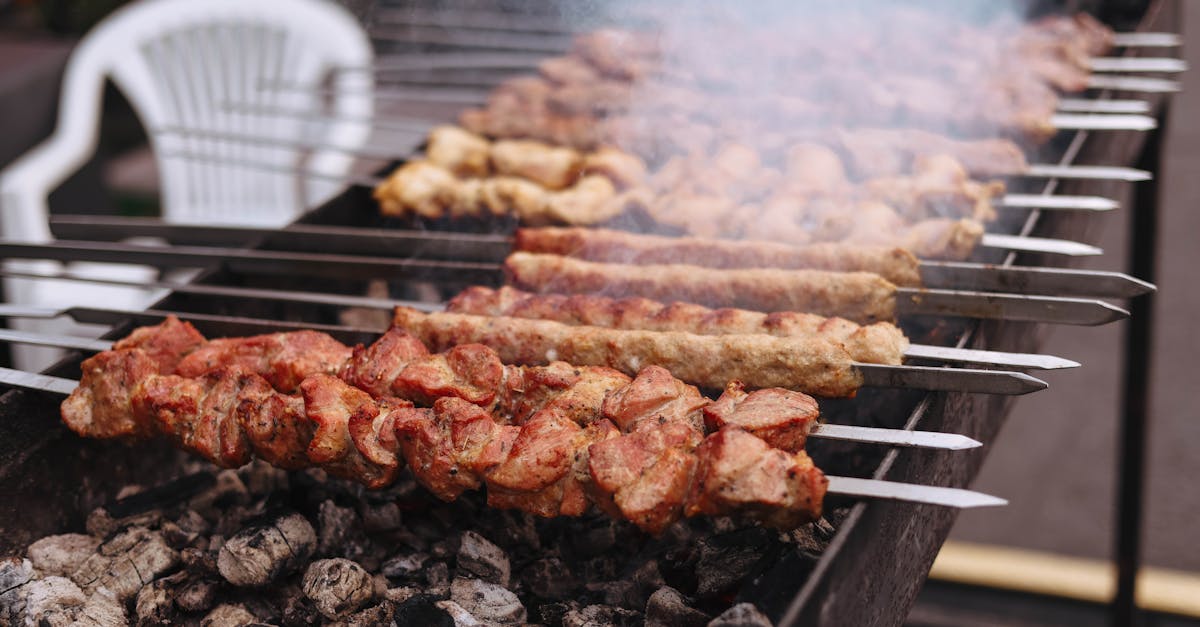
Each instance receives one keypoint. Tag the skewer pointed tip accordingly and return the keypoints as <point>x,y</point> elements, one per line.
<point>913,493</point>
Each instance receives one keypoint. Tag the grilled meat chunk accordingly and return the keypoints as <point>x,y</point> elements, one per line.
<point>101,407</point>
<point>284,359</point>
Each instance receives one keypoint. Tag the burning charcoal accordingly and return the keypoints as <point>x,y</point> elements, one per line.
<point>668,608</point>
<point>199,561</point>
<point>400,594</point>
<point>263,479</point>
<point>154,605</point>
<point>227,615</point>
<point>101,523</point>
<point>727,559</point>
<point>437,579</point>
<point>379,517</point>
<point>296,610</point>
<point>620,593</point>
<point>125,563</point>
<point>185,530</point>
<point>423,610</point>
<point>479,557</point>
<point>549,578</point>
<point>339,531</point>
<point>60,555</point>
<point>405,566</point>
<point>553,613</point>
<point>374,616</point>
<point>223,495</point>
<point>100,610</point>
<point>488,602</point>
<point>196,595</point>
<point>597,540</point>
<point>53,601</point>
<point>259,554</point>
<point>337,587</point>
<point>602,616</point>
<point>460,616</point>
<point>741,615</point>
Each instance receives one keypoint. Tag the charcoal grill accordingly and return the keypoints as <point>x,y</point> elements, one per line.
<point>875,564</point>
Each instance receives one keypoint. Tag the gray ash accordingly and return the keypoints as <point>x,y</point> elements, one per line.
<point>260,546</point>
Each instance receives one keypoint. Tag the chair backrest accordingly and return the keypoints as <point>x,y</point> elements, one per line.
<point>203,65</point>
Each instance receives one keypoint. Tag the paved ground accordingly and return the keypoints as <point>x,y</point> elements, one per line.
<point>1054,459</point>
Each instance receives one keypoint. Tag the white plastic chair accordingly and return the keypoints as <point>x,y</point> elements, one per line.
<point>198,65</point>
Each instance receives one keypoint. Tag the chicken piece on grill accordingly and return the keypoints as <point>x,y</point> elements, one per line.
<point>552,167</point>
<point>739,472</point>
<point>283,359</point>
<point>860,296</point>
<point>417,187</point>
<point>462,152</point>
<point>895,264</point>
<point>879,343</point>
<point>938,188</point>
<point>954,240</point>
<point>814,365</point>
<point>624,169</point>
<point>592,200</point>
<point>567,70</point>
<point>621,54</point>
<point>513,196</point>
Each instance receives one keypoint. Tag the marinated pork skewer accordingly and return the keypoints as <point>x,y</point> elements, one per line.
<point>295,437</point>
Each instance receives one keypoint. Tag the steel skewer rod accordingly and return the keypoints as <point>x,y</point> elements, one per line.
<point>1054,201</point>
<point>491,40</point>
<point>366,152</point>
<point>1141,84</point>
<point>1164,65</point>
<point>1147,40</point>
<point>1102,122</point>
<point>457,246</point>
<point>485,20</point>
<point>1087,105</point>
<point>916,351</point>
<point>433,93</point>
<point>260,262</point>
<point>1048,245</point>
<point>1087,172</point>
<point>415,125</point>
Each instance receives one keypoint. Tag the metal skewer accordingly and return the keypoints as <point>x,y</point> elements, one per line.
<point>1134,84</point>
<point>1164,65</point>
<point>1087,105</point>
<point>446,245</point>
<point>466,38</point>
<point>1088,172</point>
<point>844,486</point>
<point>1101,122</point>
<point>1038,245</point>
<point>917,351</point>
<point>1147,40</point>
<point>1054,201</point>
<point>350,267</point>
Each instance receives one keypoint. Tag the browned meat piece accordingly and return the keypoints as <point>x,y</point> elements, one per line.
<point>644,476</point>
<point>424,437</point>
<point>656,396</point>
<point>552,167</point>
<point>417,187</point>
<point>592,200</point>
<point>860,296</point>
<point>879,343</point>
<point>953,240</point>
<point>512,196</point>
<point>738,472</point>
<point>333,406</point>
<point>199,415</point>
<point>567,70</point>
<point>278,429</point>
<point>536,475</point>
<point>463,153</point>
<point>894,264</point>
<point>574,392</point>
<point>467,371</point>
<point>938,188</point>
<point>166,342</point>
<point>624,169</point>
<point>813,168</point>
<point>100,406</point>
<point>375,367</point>
<point>781,418</point>
<point>617,53</point>
<point>284,359</point>
<point>812,365</point>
